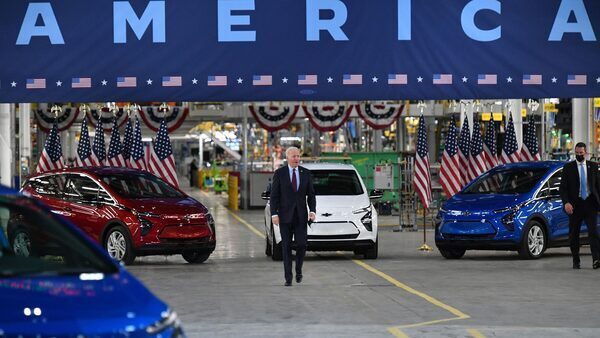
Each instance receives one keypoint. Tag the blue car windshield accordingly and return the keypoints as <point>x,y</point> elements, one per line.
<point>35,243</point>
<point>506,181</point>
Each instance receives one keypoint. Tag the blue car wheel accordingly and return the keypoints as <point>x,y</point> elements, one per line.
<point>534,241</point>
<point>452,253</point>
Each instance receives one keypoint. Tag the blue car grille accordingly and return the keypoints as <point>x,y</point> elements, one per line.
<point>468,230</point>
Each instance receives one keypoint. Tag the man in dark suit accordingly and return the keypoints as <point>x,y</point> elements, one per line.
<point>580,194</point>
<point>291,191</point>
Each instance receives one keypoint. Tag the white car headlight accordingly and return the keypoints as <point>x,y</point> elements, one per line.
<point>362,210</point>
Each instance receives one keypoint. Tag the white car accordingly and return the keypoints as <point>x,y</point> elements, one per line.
<point>346,219</point>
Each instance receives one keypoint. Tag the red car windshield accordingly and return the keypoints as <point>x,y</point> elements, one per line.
<point>140,185</point>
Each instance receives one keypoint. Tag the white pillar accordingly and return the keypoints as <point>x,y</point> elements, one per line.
<point>581,122</point>
<point>201,151</point>
<point>377,144</point>
<point>245,172</point>
<point>6,145</point>
<point>24,140</point>
<point>515,108</point>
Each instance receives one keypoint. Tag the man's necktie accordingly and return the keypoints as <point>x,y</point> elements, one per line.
<point>294,181</point>
<point>582,182</point>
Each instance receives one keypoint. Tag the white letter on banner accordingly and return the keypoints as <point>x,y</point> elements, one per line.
<point>226,20</point>
<point>314,24</point>
<point>123,14</point>
<point>467,20</point>
<point>581,25</point>
<point>404,20</point>
<point>29,29</point>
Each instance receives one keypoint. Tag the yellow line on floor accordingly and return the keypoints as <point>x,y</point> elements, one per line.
<point>248,225</point>
<point>397,332</point>
<point>475,333</point>
<point>408,289</point>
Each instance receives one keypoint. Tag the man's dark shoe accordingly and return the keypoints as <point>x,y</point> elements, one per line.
<point>298,278</point>
<point>288,283</point>
<point>576,266</point>
<point>596,264</point>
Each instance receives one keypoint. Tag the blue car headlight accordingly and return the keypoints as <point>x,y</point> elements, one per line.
<point>169,319</point>
<point>508,220</point>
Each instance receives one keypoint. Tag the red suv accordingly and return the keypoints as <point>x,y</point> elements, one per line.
<point>130,212</point>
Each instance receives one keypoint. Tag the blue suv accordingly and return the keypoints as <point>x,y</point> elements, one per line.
<point>511,207</point>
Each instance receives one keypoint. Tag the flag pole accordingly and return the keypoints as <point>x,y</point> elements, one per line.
<point>425,247</point>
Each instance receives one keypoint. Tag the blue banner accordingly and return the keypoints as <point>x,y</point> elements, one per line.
<point>257,50</point>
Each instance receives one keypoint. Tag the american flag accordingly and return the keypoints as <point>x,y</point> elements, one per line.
<point>35,84</point>
<point>99,148</point>
<point>262,80</point>
<point>450,178</point>
<point>510,151</point>
<point>85,157</point>
<point>397,79</point>
<point>577,80</point>
<point>138,159</point>
<point>477,164</point>
<point>81,82</point>
<point>162,162</point>
<point>216,80</point>
<point>51,158</point>
<point>442,79</point>
<point>421,175</point>
<point>171,81</point>
<point>126,82</point>
<point>532,79</point>
<point>115,157</point>
<point>464,144</point>
<point>127,141</point>
<point>307,80</point>
<point>352,79</point>
<point>489,146</point>
<point>530,150</point>
<point>487,79</point>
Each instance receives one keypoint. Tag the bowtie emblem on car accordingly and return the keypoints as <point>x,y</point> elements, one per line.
<point>326,214</point>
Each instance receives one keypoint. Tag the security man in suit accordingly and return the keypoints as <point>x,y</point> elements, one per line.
<point>580,194</point>
<point>291,191</point>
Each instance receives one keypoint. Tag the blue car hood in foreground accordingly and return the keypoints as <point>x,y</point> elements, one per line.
<point>483,202</point>
<point>115,305</point>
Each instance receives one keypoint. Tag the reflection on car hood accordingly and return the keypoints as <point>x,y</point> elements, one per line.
<point>482,202</point>
<point>341,204</point>
<point>69,304</point>
<point>171,205</point>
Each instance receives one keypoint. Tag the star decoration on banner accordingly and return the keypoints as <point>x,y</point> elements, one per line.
<point>104,82</point>
<point>509,79</point>
<point>149,82</point>
<point>59,83</point>
<point>598,80</point>
<point>420,79</point>
<point>194,81</point>
<point>465,79</point>
<point>554,79</point>
<point>284,80</point>
<point>375,79</point>
<point>13,84</point>
<point>240,80</point>
<point>330,80</point>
